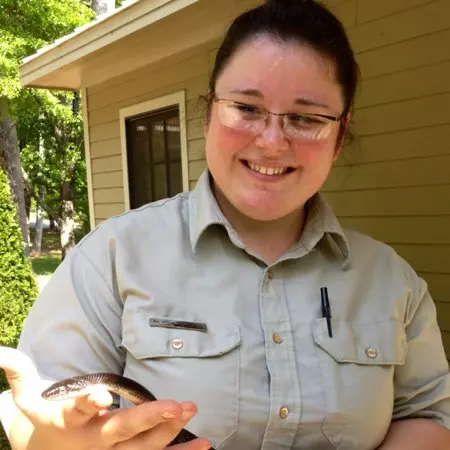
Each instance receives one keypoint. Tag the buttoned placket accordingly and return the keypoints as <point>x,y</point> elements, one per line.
<point>285,404</point>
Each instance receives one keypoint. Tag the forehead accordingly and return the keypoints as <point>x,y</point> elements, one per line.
<point>281,71</point>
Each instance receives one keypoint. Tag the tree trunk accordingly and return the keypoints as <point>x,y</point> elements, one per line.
<point>39,226</point>
<point>67,217</point>
<point>10,157</point>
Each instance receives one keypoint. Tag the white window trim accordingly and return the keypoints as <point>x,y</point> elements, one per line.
<point>175,99</point>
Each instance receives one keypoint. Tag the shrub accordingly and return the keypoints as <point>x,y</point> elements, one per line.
<point>18,288</point>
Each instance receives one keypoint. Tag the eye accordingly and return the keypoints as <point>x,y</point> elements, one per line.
<point>246,109</point>
<point>304,119</point>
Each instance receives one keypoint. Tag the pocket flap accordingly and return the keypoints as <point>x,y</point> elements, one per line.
<point>378,342</point>
<point>144,341</point>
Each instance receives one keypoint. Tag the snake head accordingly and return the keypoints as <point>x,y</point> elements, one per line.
<point>65,389</point>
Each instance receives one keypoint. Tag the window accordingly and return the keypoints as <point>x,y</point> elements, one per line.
<point>153,154</point>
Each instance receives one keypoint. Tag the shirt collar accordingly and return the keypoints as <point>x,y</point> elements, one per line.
<point>321,223</point>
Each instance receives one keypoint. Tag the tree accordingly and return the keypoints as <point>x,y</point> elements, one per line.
<point>26,26</point>
<point>18,287</point>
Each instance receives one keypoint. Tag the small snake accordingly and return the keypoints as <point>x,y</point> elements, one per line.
<point>125,387</point>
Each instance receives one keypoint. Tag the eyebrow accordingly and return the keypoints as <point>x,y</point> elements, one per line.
<point>298,101</point>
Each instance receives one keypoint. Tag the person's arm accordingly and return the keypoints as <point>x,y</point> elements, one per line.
<point>416,434</point>
<point>421,415</point>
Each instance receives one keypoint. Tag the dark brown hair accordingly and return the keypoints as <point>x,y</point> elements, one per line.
<point>304,21</point>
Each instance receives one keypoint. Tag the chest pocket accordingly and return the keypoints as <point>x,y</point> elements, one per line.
<point>357,373</point>
<point>188,365</point>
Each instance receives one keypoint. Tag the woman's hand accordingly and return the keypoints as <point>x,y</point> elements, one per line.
<point>85,422</point>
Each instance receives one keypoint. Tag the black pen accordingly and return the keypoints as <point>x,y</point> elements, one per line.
<point>326,310</point>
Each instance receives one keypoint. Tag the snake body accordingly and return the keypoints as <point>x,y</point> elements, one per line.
<point>116,384</point>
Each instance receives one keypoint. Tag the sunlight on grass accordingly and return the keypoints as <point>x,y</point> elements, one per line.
<point>46,264</point>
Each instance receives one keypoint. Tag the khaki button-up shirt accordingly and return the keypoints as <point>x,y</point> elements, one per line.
<point>255,356</point>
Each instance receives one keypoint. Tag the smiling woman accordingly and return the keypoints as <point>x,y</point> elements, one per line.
<point>244,302</point>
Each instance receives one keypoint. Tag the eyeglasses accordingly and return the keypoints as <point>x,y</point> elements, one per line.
<point>299,126</point>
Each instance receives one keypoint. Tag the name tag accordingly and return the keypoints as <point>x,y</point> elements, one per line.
<point>178,324</point>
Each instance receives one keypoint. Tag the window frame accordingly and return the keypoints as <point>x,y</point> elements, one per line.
<point>177,99</point>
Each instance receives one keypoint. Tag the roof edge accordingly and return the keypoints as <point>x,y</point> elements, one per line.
<point>96,35</point>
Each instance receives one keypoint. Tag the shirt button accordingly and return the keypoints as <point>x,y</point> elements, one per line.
<point>277,338</point>
<point>270,274</point>
<point>284,412</point>
<point>371,352</point>
<point>177,344</point>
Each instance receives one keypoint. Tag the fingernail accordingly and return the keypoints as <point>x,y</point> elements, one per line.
<point>169,415</point>
<point>187,414</point>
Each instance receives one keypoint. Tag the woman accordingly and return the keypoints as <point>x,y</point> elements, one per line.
<point>260,363</point>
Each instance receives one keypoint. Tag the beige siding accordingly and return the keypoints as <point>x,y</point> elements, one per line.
<point>394,183</point>
<point>188,72</point>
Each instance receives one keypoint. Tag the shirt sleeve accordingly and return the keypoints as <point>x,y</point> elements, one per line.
<point>74,327</point>
<point>422,384</point>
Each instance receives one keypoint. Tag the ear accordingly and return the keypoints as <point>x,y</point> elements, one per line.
<point>340,144</point>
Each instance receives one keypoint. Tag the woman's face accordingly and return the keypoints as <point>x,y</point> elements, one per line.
<point>281,78</point>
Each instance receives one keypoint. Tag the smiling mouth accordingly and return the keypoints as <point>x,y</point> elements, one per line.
<point>271,171</point>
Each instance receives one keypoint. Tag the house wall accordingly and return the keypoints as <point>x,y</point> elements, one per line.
<point>393,182</point>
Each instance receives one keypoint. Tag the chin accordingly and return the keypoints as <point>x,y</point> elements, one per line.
<point>261,214</point>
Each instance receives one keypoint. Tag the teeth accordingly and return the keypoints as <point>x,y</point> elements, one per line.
<point>267,170</point>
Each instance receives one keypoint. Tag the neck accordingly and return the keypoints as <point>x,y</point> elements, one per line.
<point>266,239</point>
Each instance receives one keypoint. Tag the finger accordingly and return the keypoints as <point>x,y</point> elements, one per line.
<point>162,435</point>
<point>27,386</point>
<point>80,410</point>
<point>130,422</point>
<point>22,378</point>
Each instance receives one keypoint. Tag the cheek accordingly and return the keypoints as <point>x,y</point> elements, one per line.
<point>225,139</point>
<point>315,157</point>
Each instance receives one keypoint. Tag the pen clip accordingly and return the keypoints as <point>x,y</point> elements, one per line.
<point>326,309</point>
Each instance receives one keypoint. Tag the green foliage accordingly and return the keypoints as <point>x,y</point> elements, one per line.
<point>49,120</point>
<point>17,284</point>
<point>26,26</point>
<point>18,288</point>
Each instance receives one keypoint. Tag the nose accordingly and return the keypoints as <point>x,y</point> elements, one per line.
<point>273,137</point>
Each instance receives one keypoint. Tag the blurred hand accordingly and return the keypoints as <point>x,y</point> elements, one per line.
<point>84,422</point>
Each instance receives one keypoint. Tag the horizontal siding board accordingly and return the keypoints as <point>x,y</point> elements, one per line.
<point>410,201</point>
<point>148,70</point>
<point>196,149</point>
<point>421,82</point>
<point>345,11</point>
<point>111,112</point>
<point>429,18</point>
<point>104,211</point>
<point>438,285</point>
<point>418,142</point>
<point>107,164</point>
<point>108,147</point>
<point>192,88</point>
<point>446,342</point>
<point>405,115</point>
<point>110,195</point>
<point>107,180</point>
<point>105,131</point>
<point>195,169</point>
<point>403,230</point>
<point>409,172</point>
<point>426,258</point>
<point>192,68</point>
<point>370,10</point>
<point>195,129</point>
<point>418,52</point>
<point>443,314</point>
<point>195,109</point>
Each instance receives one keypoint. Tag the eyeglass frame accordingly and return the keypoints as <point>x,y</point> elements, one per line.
<point>267,113</point>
